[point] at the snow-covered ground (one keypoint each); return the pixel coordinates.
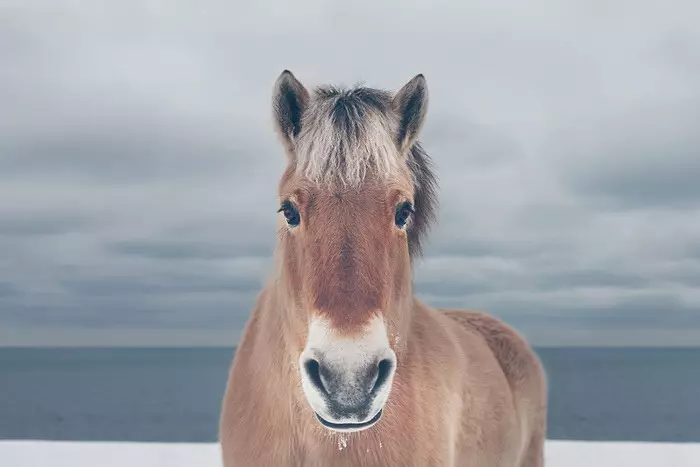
(103, 454)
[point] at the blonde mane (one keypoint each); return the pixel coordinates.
(347, 134)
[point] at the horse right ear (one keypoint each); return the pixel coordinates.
(289, 101)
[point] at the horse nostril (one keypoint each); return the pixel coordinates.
(313, 370)
(383, 372)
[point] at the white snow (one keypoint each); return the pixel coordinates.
(108, 454)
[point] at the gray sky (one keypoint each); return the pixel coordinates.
(138, 165)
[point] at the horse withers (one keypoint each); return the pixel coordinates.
(340, 364)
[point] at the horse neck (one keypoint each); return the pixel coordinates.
(272, 327)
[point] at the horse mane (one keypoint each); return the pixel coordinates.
(350, 133)
(424, 198)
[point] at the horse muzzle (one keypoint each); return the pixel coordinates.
(347, 380)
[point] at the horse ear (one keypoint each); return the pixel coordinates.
(411, 104)
(289, 100)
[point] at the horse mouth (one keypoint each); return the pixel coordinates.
(349, 426)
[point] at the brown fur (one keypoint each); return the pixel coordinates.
(468, 390)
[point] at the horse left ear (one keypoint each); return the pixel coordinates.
(411, 104)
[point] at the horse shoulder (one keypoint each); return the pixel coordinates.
(519, 362)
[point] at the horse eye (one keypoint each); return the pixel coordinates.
(403, 213)
(291, 214)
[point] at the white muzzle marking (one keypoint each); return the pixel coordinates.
(347, 380)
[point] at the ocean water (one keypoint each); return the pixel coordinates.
(174, 395)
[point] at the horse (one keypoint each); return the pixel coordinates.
(340, 364)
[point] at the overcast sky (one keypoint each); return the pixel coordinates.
(138, 164)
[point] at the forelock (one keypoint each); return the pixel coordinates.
(346, 135)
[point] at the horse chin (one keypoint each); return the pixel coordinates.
(349, 427)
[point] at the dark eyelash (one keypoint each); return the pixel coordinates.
(285, 205)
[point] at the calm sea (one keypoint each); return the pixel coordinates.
(174, 395)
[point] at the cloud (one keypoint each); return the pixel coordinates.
(644, 157)
(116, 155)
(7, 289)
(139, 168)
(42, 223)
(178, 249)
